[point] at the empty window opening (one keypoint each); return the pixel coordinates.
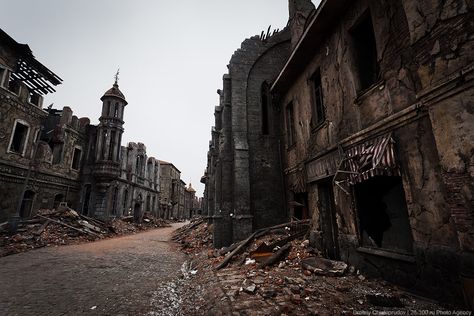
(139, 165)
(104, 143)
(383, 214)
(365, 52)
(318, 105)
(112, 145)
(35, 98)
(290, 125)
(27, 204)
(266, 98)
(20, 134)
(76, 158)
(87, 197)
(14, 86)
(109, 108)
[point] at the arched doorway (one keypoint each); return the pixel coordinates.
(137, 209)
(27, 204)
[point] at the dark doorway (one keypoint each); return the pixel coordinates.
(327, 213)
(87, 197)
(58, 198)
(383, 214)
(137, 212)
(301, 206)
(27, 204)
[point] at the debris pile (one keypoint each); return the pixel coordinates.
(277, 270)
(61, 226)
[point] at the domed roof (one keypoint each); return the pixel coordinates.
(114, 92)
(190, 188)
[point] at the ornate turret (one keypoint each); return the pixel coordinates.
(110, 129)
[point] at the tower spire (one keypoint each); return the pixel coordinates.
(117, 77)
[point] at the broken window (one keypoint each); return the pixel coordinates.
(14, 86)
(290, 124)
(19, 138)
(76, 158)
(365, 50)
(27, 204)
(35, 98)
(383, 214)
(265, 99)
(318, 105)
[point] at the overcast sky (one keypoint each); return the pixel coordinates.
(171, 54)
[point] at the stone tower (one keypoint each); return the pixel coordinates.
(107, 150)
(299, 11)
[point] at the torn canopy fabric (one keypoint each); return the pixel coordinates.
(374, 157)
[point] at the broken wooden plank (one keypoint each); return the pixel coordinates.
(277, 256)
(69, 226)
(42, 228)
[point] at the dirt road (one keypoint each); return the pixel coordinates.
(131, 275)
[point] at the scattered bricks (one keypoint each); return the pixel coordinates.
(296, 298)
(307, 272)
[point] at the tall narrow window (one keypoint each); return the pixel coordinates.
(116, 109)
(290, 125)
(365, 52)
(139, 165)
(112, 145)
(318, 105)
(114, 201)
(104, 143)
(109, 108)
(265, 98)
(76, 158)
(19, 137)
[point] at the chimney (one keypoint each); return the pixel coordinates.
(299, 11)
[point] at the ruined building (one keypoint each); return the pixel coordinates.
(364, 126)
(50, 156)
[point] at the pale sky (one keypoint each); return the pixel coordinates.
(171, 54)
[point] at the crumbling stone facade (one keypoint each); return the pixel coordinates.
(170, 190)
(379, 138)
(375, 120)
(50, 156)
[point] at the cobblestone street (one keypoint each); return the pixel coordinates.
(131, 275)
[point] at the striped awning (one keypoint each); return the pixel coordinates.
(375, 157)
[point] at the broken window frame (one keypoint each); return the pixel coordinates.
(76, 158)
(24, 139)
(365, 54)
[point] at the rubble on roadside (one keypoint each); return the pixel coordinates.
(63, 225)
(297, 281)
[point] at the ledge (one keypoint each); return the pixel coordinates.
(387, 254)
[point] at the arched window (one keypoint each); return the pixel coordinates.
(265, 99)
(27, 204)
(139, 165)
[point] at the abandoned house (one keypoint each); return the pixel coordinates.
(61, 158)
(362, 121)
